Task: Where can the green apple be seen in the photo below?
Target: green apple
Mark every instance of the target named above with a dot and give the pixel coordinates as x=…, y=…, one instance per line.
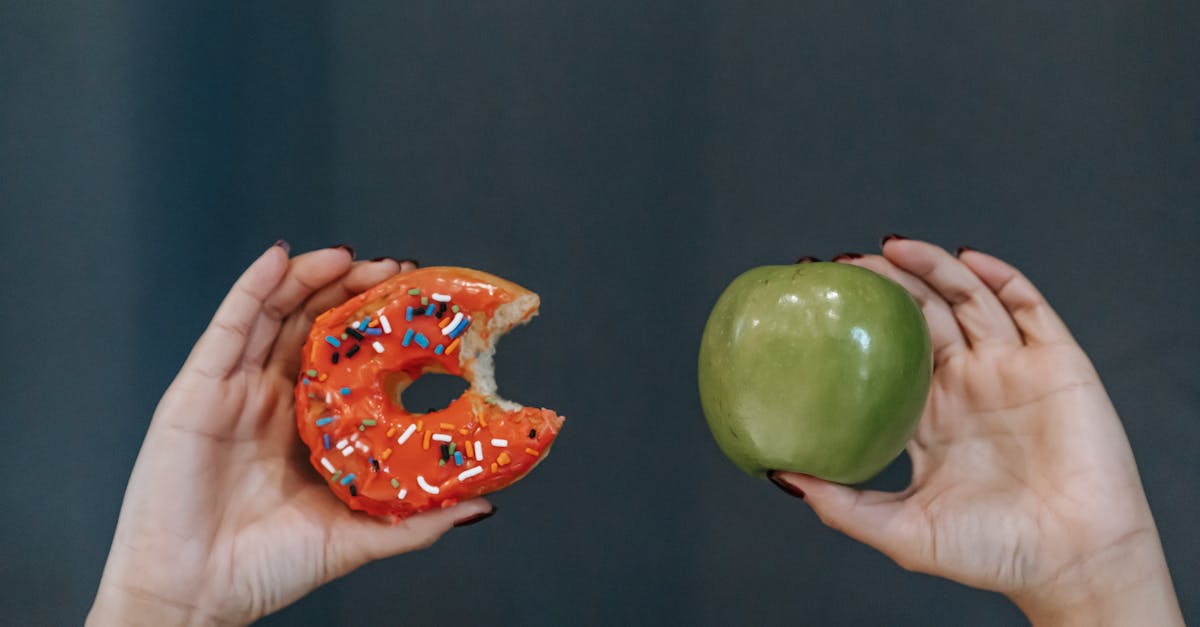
x=817, y=368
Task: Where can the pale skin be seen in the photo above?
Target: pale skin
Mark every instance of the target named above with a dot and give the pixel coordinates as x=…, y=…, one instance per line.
x=224, y=519
x=1023, y=480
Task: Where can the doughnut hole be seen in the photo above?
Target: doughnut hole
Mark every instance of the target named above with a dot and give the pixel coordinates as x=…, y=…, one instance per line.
x=432, y=390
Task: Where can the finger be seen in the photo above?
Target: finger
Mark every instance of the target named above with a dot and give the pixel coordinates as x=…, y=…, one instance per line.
x=945, y=335
x=978, y=311
x=366, y=539
x=876, y=519
x=285, y=356
x=1034, y=316
x=223, y=342
x=306, y=274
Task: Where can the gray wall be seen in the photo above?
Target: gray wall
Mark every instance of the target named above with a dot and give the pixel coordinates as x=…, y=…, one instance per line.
x=625, y=161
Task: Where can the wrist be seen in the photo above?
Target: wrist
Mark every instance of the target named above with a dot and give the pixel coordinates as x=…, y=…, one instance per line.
x=1126, y=586
x=135, y=606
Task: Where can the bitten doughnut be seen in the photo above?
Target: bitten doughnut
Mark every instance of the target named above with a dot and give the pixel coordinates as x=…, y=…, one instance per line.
x=381, y=458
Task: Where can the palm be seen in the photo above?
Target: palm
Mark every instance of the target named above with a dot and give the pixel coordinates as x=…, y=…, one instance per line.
x=1020, y=465
x=223, y=510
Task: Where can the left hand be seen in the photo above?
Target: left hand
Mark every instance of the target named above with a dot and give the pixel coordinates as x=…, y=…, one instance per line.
x=224, y=519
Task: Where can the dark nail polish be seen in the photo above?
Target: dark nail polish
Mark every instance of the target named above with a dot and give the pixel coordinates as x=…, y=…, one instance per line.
x=845, y=256
x=961, y=249
x=470, y=520
x=889, y=237
x=348, y=248
x=414, y=262
x=785, y=486
x=807, y=259
x=287, y=248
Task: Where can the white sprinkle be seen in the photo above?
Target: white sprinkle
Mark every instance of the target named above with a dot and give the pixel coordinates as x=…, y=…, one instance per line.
x=425, y=486
x=362, y=447
x=342, y=444
x=378, y=347
x=328, y=466
x=453, y=323
x=442, y=437
x=499, y=442
x=383, y=322
x=347, y=451
x=401, y=494
x=441, y=298
x=328, y=398
x=467, y=474
x=478, y=451
x=407, y=434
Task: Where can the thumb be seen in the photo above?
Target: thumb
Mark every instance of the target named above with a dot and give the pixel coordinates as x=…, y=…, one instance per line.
x=877, y=519
x=372, y=538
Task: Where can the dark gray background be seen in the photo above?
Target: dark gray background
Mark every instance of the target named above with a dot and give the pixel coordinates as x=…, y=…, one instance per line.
x=625, y=161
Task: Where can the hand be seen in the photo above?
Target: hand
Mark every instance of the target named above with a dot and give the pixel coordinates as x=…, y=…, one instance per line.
x=224, y=519
x=1023, y=480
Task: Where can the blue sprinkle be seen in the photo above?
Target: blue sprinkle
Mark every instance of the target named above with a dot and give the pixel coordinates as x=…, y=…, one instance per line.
x=345, y=391
x=432, y=308
x=305, y=381
x=362, y=326
x=462, y=326
x=458, y=458
x=438, y=350
x=407, y=337
x=422, y=341
x=408, y=314
x=333, y=341
x=326, y=438
x=374, y=331
x=321, y=422
x=347, y=479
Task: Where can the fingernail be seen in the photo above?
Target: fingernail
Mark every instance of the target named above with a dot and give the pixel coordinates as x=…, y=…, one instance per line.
x=959, y=252
x=348, y=248
x=889, y=237
x=845, y=256
x=785, y=486
x=414, y=262
x=807, y=259
x=470, y=520
x=384, y=258
x=287, y=248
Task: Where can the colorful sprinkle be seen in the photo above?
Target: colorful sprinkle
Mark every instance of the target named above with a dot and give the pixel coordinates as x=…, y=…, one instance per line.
x=328, y=466
x=533, y=452
x=445, y=448
x=345, y=391
x=414, y=291
x=401, y=494
x=449, y=426
x=453, y=323
x=478, y=451
x=441, y=298
x=470, y=472
x=378, y=347
x=458, y=458
x=387, y=326
x=454, y=309
x=305, y=379
x=353, y=490
x=444, y=322
x=310, y=372
x=441, y=437
x=437, y=350
x=408, y=335
x=354, y=333
x=450, y=349
x=325, y=439
x=353, y=350
x=421, y=340
x=321, y=422
x=493, y=468
x=458, y=330
x=333, y=341
x=369, y=422
x=429, y=310
x=347, y=451
x=335, y=357
x=503, y=458
x=385, y=454
x=362, y=326
x=424, y=301
x=425, y=444
x=407, y=433
x=395, y=483
x=373, y=331
x=347, y=479
x=408, y=314
x=425, y=485
x=499, y=442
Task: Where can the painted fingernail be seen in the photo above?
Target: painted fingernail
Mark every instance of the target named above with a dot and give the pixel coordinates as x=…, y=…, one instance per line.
x=807, y=259
x=845, y=256
x=961, y=250
x=287, y=248
x=414, y=262
x=348, y=248
x=470, y=520
x=785, y=486
x=889, y=237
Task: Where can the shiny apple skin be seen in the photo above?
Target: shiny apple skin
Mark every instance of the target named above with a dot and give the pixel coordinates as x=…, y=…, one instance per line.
x=817, y=368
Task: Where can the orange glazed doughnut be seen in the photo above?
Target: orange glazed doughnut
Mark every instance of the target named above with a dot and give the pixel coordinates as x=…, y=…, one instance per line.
x=385, y=460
